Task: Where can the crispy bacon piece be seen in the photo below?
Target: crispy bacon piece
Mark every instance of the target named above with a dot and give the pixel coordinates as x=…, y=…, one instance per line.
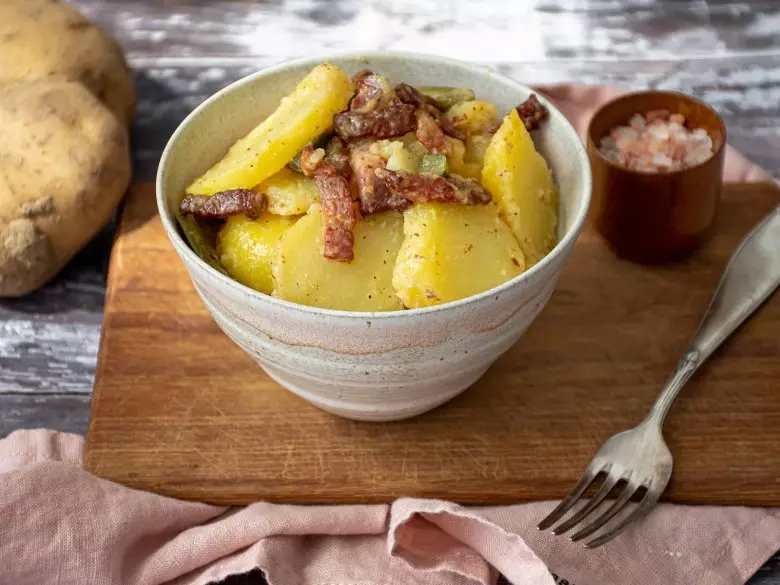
x=373, y=91
x=225, y=203
x=447, y=126
x=337, y=156
x=532, y=112
x=374, y=195
x=430, y=134
x=394, y=120
x=311, y=159
x=339, y=215
x=431, y=189
x=410, y=95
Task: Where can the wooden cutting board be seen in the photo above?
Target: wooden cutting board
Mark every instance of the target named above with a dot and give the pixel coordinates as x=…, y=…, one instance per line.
x=178, y=409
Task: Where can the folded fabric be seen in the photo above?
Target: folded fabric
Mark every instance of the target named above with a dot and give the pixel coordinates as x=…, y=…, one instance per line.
x=62, y=525
x=59, y=524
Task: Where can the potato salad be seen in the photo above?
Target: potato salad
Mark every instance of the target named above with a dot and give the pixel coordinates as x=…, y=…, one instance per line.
x=357, y=194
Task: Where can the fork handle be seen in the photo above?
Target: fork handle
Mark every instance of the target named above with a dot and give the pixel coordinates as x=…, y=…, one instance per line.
x=752, y=274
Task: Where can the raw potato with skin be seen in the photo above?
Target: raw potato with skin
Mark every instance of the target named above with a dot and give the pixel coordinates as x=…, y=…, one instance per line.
x=47, y=39
x=64, y=167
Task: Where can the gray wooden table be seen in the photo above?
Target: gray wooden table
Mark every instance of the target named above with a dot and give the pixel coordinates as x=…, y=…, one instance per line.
x=727, y=53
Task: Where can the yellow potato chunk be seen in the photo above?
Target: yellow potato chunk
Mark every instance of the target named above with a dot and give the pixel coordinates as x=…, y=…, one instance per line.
x=457, y=160
x=299, y=119
x=247, y=248
x=289, y=193
x=521, y=183
x=303, y=275
x=472, y=116
x=453, y=251
x=397, y=156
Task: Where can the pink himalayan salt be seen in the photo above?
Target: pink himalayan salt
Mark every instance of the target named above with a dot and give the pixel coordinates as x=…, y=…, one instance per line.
x=657, y=142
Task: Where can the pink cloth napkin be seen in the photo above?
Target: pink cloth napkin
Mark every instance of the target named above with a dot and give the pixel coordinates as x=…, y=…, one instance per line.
x=60, y=525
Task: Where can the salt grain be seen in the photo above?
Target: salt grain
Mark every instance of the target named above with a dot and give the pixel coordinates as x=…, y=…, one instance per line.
x=656, y=142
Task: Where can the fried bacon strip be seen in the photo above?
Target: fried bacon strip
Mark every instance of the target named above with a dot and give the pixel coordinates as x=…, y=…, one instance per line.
x=410, y=95
x=431, y=189
x=225, y=203
x=388, y=122
x=532, y=112
x=430, y=134
x=374, y=195
x=337, y=156
x=339, y=215
x=373, y=91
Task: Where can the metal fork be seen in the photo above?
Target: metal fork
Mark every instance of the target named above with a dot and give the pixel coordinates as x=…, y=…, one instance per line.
x=639, y=458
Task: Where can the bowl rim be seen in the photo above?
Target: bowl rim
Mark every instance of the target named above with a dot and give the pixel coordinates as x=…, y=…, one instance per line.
x=563, y=243
x=628, y=96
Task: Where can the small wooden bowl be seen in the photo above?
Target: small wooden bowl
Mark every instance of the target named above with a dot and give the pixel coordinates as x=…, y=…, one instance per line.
x=655, y=217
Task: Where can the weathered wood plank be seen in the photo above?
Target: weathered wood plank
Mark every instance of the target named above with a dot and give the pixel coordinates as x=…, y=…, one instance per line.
x=500, y=31
x=49, y=339
x=62, y=413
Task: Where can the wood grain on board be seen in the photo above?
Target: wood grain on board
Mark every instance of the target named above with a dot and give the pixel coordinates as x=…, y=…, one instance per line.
x=180, y=410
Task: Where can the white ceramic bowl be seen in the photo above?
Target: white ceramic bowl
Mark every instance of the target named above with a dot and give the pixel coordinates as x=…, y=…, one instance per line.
x=371, y=366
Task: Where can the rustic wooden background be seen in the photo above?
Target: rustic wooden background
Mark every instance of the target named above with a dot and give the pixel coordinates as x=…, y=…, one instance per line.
x=727, y=53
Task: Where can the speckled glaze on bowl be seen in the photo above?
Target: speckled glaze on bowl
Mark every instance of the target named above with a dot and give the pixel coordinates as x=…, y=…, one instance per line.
x=370, y=366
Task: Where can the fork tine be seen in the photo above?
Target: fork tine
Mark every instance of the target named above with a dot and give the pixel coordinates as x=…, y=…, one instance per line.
x=587, y=478
x=648, y=501
x=602, y=493
x=616, y=506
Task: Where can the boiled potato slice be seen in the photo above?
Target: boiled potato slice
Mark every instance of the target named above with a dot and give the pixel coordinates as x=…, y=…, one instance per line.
x=457, y=160
x=299, y=119
x=289, y=193
x=521, y=183
x=472, y=116
x=247, y=248
x=397, y=156
x=303, y=275
x=453, y=251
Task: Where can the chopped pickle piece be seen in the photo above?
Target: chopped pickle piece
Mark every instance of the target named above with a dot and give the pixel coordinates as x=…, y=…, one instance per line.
x=446, y=97
x=198, y=241
x=413, y=145
x=456, y=160
x=476, y=145
x=433, y=164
